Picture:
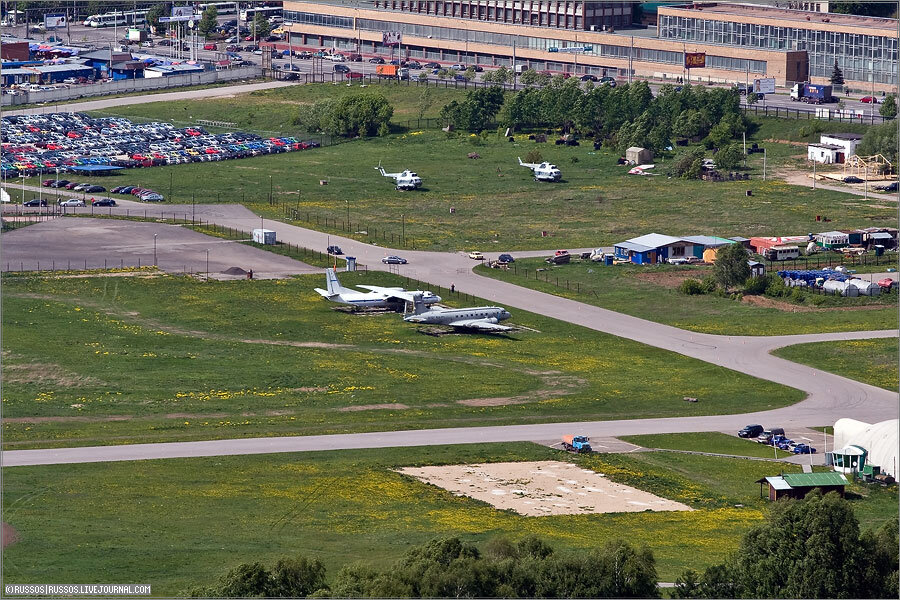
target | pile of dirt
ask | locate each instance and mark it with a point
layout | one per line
(9, 535)
(234, 271)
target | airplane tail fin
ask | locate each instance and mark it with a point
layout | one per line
(334, 286)
(418, 304)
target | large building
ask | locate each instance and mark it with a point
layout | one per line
(741, 41)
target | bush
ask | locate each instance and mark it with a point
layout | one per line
(691, 287)
(683, 164)
(534, 156)
(756, 285)
(775, 287)
(797, 296)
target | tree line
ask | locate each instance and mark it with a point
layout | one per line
(810, 548)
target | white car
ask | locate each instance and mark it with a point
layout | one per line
(476, 255)
(72, 202)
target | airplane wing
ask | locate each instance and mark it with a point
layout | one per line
(383, 290)
(390, 293)
(479, 325)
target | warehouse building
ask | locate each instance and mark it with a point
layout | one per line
(740, 41)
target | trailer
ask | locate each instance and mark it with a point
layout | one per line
(811, 94)
(385, 71)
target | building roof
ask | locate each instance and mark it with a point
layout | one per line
(796, 480)
(798, 17)
(709, 241)
(655, 240)
(843, 136)
(880, 235)
(831, 234)
(633, 247)
(738, 238)
(776, 482)
(62, 68)
(826, 146)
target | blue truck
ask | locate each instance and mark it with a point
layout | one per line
(577, 443)
(811, 94)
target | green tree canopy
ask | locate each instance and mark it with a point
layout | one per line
(837, 76)
(880, 139)
(153, 15)
(208, 21)
(888, 108)
(731, 268)
(261, 25)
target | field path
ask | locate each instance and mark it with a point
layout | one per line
(829, 396)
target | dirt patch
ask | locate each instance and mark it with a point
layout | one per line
(492, 401)
(42, 373)
(9, 535)
(767, 302)
(668, 279)
(542, 488)
(72, 419)
(395, 406)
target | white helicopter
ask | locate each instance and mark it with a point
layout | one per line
(543, 171)
(407, 180)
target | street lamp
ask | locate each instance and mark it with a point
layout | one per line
(155, 264)
(207, 265)
(810, 450)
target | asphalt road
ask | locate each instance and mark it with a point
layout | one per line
(829, 396)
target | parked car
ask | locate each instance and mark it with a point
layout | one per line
(209, 46)
(334, 250)
(458, 67)
(766, 436)
(291, 76)
(803, 449)
(678, 261)
(414, 64)
(103, 202)
(393, 260)
(476, 255)
(432, 65)
(460, 77)
(609, 81)
(341, 69)
(891, 187)
(869, 100)
(354, 75)
(80, 187)
(478, 68)
(590, 77)
(750, 431)
(60, 184)
(94, 189)
(506, 258)
(71, 202)
(354, 57)
(853, 179)
(376, 60)
(47, 182)
(35, 202)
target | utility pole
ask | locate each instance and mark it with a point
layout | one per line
(764, 163)
(814, 173)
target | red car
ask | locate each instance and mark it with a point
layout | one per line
(354, 75)
(209, 46)
(869, 100)
(887, 284)
(47, 182)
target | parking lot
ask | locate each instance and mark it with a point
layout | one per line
(65, 243)
(33, 144)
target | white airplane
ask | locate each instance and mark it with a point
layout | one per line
(376, 297)
(543, 171)
(407, 180)
(479, 318)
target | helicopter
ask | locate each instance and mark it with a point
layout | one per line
(543, 171)
(406, 180)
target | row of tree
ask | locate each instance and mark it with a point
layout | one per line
(810, 548)
(627, 115)
(366, 114)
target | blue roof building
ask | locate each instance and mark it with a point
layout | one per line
(655, 248)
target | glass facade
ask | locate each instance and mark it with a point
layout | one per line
(861, 57)
(519, 41)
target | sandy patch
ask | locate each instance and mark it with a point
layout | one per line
(36, 372)
(9, 534)
(537, 489)
(396, 406)
(767, 302)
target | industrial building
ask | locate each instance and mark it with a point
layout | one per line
(739, 41)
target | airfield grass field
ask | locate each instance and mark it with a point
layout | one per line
(161, 358)
(182, 523)
(495, 203)
(650, 292)
(871, 361)
(714, 442)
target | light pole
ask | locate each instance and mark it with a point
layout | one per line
(765, 155)
(155, 264)
(814, 173)
(207, 265)
(348, 214)
(810, 451)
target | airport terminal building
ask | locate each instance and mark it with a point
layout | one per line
(741, 41)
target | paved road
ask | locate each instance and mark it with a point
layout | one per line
(829, 396)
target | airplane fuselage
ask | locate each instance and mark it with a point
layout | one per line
(491, 314)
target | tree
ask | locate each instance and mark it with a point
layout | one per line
(683, 164)
(880, 139)
(729, 157)
(261, 26)
(365, 115)
(503, 75)
(731, 268)
(534, 156)
(837, 76)
(809, 548)
(426, 99)
(296, 578)
(208, 21)
(479, 108)
(687, 585)
(888, 107)
(529, 77)
(246, 580)
(153, 15)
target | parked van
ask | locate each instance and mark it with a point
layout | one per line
(782, 252)
(519, 69)
(766, 436)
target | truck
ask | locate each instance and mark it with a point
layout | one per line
(137, 35)
(811, 94)
(386, 71)
(579, 444)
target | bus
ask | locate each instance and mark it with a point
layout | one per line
(248, 14)
(222, 8)
(138, 17)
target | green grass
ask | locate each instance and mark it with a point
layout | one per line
(714, 442)
(870, 361)
(181, 523)
(647, 291)
(496, 203)
(178, 359)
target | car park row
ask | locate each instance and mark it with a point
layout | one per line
(33, 144)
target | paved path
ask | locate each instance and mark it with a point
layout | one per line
(829, 396)
(228, 90)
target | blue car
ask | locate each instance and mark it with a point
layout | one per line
(804, 449)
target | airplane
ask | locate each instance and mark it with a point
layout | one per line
(478, 318)
(376, 297)
(543, 171)
(407, 180)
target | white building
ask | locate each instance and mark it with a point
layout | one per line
(847, 141)
(857, 444)
(828, 154)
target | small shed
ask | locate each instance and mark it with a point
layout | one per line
(847, 141)
(828, 154)
(757, 269)
(797, 485)
(638, 155)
